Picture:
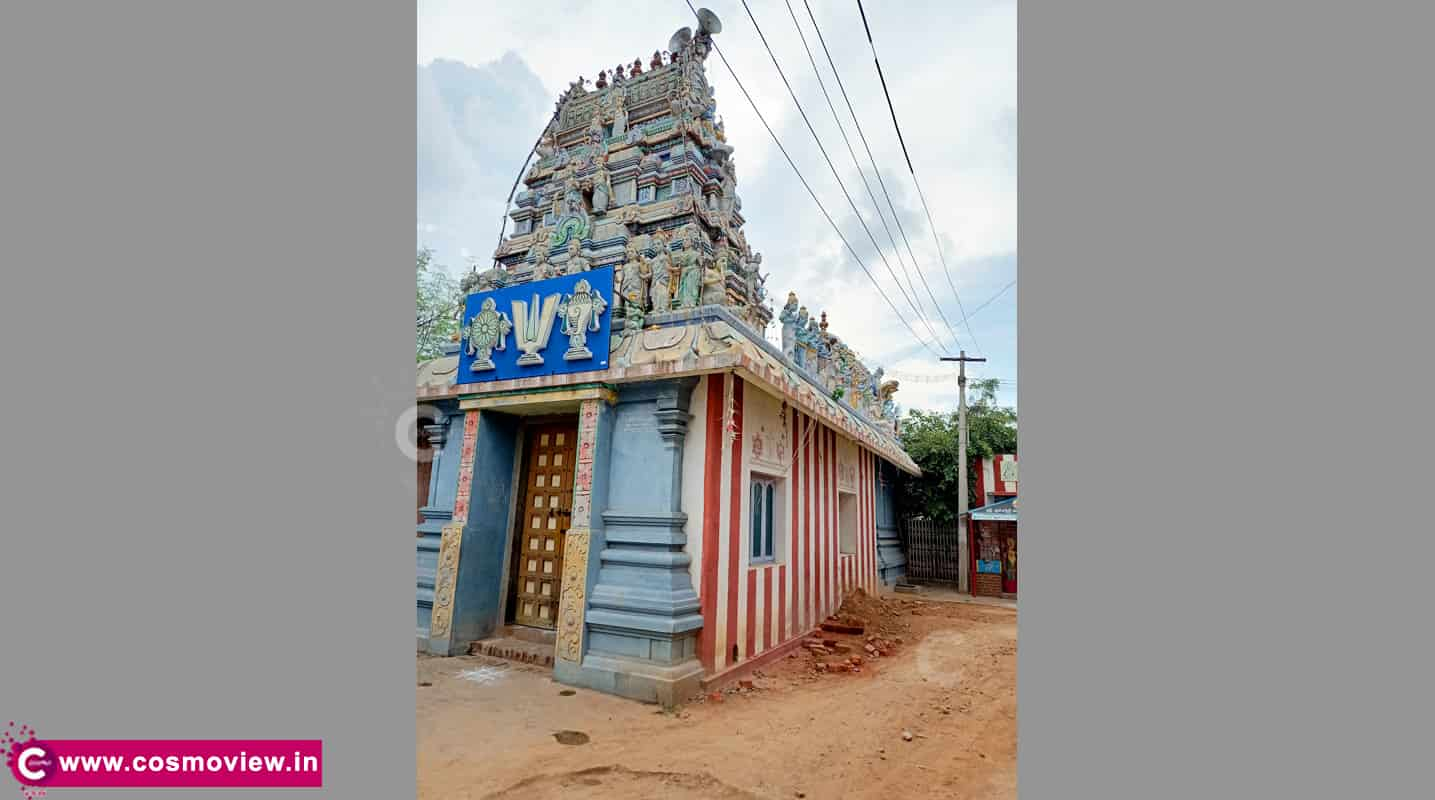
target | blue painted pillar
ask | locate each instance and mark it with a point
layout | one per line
(643, 614)
(471, 580)
(891, 562)
(438, 509)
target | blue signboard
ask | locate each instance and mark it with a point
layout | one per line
(547, 327)
(989, 567)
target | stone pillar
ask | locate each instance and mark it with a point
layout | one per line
(438, 512)
(580, 567)
(450, 541)
(643, 614)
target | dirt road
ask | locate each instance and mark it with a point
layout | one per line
(486, 728)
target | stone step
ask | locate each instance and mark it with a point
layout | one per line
(528, 634)
(513, 649)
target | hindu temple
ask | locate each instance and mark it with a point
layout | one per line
(624, 468)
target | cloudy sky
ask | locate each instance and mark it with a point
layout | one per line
(489, 73)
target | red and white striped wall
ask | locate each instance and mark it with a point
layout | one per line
(988, 474)
(751, 608)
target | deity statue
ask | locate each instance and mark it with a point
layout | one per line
(802, 336)
(690, 274)
(657, 60)
(572, 196)
(542, 268)
(495, 277)
(661, 266)
(595, 127)
(788, 318)
(889, 406)
(602, 189)
(714, 285)
(634, 288)
(620, 115)
(576, 262)
(815, 341)
(728, 200)
(752, 274)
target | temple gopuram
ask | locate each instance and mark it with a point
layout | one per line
(628, 480)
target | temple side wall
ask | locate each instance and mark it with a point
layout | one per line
(693, 499)
(752, 605)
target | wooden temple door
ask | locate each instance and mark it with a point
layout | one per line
(546, 510)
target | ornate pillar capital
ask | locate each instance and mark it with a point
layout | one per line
(672, 410)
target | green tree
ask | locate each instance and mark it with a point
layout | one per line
(931, 439)
(439, 302)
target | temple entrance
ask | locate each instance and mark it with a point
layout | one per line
(543, 520)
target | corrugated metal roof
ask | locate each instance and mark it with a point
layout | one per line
(1001, 509)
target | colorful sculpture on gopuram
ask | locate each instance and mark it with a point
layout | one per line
(635, 171)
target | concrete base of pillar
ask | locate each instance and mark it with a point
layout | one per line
(634, 678)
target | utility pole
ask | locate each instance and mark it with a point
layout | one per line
(963, 524)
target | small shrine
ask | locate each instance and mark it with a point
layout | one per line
(628, 473)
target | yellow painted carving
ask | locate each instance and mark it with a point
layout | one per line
(573, 595)
(445, 580)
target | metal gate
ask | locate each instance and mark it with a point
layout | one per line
(935, 551)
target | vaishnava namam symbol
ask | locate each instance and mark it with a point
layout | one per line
(533, 332)
(580, 312)
(486, 332)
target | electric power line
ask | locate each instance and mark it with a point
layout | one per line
(976, 310)
(920, 193)
(813, 194)
(865, 183)
(875, 171)
(988, 302)
(835, 174)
